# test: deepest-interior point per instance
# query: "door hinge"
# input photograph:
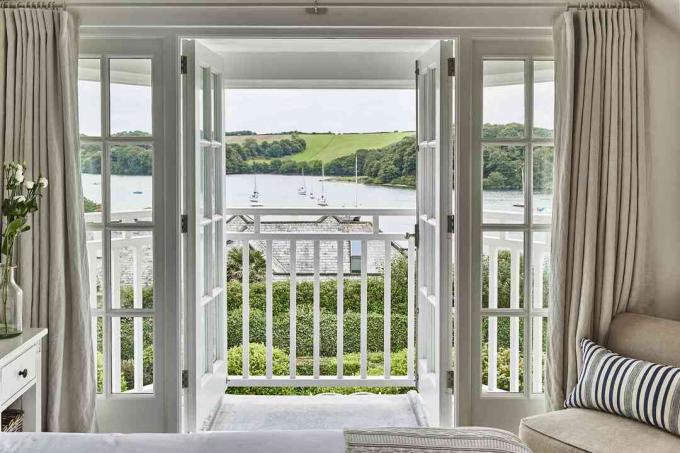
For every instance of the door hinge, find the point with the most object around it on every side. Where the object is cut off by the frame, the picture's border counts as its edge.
(185, 379)
(451, 223)
(451, 63)
(417, 68)
(183, 64)
(416, 234)
(450, 379)
(184, 220)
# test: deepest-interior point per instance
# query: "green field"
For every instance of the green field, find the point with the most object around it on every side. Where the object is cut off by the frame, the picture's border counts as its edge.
(326, 147)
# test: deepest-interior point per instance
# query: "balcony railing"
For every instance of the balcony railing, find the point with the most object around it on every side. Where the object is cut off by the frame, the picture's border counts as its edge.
(370, 242)
(335, 245)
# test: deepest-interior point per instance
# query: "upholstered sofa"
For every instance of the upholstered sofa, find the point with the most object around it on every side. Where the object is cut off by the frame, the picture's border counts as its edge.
(577, 430)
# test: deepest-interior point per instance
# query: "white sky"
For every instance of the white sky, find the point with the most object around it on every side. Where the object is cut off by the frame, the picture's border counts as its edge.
(266, 111)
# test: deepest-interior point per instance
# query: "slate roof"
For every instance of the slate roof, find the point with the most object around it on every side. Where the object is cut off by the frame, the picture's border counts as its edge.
(305, 249)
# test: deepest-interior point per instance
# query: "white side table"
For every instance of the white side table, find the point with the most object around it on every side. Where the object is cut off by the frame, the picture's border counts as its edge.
(20, 376)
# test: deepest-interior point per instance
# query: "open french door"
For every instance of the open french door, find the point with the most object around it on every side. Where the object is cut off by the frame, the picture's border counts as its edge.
(205, 312)
(434, 170)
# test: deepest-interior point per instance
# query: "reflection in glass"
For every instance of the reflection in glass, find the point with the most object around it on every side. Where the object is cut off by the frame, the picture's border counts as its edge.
(502, 354)
(132, 354)
(503, 107)
(503, 184)
(130, 88)
(131, 185)
(542, 183)
(91, 180)
(89, 97)
(503, 269)
(544, 99)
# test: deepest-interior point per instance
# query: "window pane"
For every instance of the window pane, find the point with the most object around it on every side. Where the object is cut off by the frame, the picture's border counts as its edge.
(130, 88)
(502, 354)
(543, 183)
(544, 99)
(91, 179)
(98, 342)
(95, 259)
(503, 184)
(131, 183)
(132, 354)
(539, 348)
(541, 269)
(503, 108)
(503, 269)
(89, 97)
(132, 269)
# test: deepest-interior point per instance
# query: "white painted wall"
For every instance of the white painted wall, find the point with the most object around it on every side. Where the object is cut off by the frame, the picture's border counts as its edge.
(663, 56)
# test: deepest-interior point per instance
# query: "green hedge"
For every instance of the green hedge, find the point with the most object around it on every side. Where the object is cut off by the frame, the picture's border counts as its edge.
(305, 365)
(328, 330)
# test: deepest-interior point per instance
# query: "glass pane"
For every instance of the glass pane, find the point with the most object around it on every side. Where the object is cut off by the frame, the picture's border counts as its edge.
(503, 184)
(502, 354)
(89, 97)
(217, 105)
(543, 183)
(130, 88)
(132, 269)
(131, 183)
(91, 179)
(204, 104)
(218, 182)
(208, 267)
(541, 269)
(544, 99)
(539, 348)
(98, 342)
(132, 355)
(208, 181)
(503, 108)
(96, 268)
(503, 269)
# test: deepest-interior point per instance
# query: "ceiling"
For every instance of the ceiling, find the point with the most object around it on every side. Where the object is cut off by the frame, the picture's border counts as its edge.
(411, 46)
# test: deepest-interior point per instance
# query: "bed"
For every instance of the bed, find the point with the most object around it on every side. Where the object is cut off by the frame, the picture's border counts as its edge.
(374, 440)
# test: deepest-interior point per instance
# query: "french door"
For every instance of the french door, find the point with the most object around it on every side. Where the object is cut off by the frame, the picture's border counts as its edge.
(511, 159)
(434, 178)
(205, 307)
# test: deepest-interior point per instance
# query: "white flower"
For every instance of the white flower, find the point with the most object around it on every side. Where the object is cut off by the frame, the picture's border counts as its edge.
(19, 177)
(42, 182)
(19, 198)
(29, 185)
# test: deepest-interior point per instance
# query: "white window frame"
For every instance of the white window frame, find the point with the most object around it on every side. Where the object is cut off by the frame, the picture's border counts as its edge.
(503, 408)
(116, 410)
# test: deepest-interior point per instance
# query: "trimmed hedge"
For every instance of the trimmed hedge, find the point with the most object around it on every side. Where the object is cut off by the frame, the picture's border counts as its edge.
(328, 330)
(305, 365)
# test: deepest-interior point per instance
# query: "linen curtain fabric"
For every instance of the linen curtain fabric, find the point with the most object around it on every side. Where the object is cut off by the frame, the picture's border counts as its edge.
(38, 124)
(598, 238)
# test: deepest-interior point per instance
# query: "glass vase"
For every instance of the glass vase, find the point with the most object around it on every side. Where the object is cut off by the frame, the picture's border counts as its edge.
(11, 301)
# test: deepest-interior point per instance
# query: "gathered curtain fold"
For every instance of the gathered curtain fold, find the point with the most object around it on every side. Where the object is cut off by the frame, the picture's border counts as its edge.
(599, 221)
(39, 125)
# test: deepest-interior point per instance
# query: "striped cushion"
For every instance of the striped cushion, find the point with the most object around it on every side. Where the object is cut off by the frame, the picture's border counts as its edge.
(433, 440)
(636, 389)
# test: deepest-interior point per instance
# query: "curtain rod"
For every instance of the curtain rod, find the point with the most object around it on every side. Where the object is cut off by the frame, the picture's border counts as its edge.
(32, 4)
(419, 5)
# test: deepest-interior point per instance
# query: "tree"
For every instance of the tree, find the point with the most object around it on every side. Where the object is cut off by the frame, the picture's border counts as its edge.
(235, 265)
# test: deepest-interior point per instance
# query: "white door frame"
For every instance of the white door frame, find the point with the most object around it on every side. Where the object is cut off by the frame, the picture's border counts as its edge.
(171, 38)
(501, 409)
(115, 411)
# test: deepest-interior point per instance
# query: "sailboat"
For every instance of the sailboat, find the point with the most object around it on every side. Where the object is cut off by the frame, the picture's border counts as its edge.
(255, 196)
(302, 190)
(322, 199)
(311, 190)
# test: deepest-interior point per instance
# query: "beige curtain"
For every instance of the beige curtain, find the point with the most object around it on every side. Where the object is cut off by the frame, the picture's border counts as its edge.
(38, 124)
(598, 241)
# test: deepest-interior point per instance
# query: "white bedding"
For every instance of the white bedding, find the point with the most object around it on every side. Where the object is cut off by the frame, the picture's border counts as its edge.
(312, 441)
